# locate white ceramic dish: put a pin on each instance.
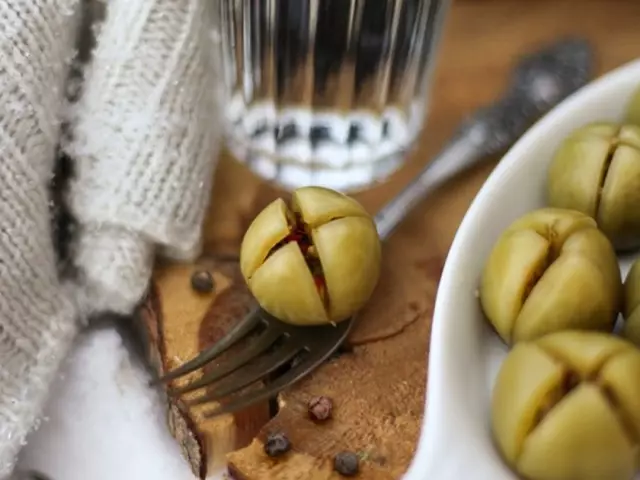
(464, 354)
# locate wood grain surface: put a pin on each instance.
(482, 40)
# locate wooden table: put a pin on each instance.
(482, 40)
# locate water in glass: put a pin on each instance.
(326, 92)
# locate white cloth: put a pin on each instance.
(37, 318)
(143, 139)
(144, 145)
(105, 388)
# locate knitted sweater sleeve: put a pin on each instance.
(144, 142)
(37, 318)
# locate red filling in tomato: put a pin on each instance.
(302, 238)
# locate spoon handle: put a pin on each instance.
(486, 132)
(539, 81)
(459, 155)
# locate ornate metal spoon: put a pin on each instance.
(540, 81)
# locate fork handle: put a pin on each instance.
(463, 152)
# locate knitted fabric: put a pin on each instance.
(144, 140)
(37, 316)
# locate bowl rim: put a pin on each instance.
(444, 302)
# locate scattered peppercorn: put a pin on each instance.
(346, 464)
(320, 408)
(277, 444)
(202, 281)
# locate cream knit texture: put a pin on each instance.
(144, 141)
(143, 136)
(37, 316)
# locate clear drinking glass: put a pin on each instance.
(326, 92)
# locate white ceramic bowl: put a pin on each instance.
(465, 355)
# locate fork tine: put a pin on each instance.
(248, 323)
(309, 363)
(263, 366)
(262, 343)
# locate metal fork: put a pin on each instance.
(539, 82)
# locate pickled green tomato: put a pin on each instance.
(596, 170)
(567, 405)
(314, 261)
(632, 114)
(631, 310)
(551, 270)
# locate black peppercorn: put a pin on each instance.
(320, 408)
(202, 281)
(277, 444)
(346, 464)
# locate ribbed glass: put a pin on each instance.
(326, 92)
